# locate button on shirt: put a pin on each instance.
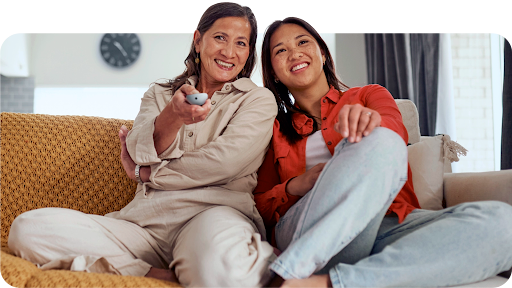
(221, 153)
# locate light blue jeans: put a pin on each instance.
(339, 227)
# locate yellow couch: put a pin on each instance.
(61, 161)
(73, 162)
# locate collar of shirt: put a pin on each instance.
(192, 80)
(243, 84)
(303, 124)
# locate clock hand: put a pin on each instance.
(120, 48)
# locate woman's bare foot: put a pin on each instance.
(162, 274)
(314, 281)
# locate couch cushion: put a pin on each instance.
(21, 273)
(410, 118)
(429, 160)
(16, 271)
(426, 161)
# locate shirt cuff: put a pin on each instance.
(287, 200)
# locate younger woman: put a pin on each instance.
(336, 190)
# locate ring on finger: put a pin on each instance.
(193, 118)
(369, 114)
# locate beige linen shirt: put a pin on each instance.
(214, 161)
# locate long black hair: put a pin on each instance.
(281, 92)
(212, 14)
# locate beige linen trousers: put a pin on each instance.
(196, 214)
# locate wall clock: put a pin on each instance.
(120, 49)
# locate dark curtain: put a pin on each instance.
(387, 65)
(387, 62)
(506, 132)
(425, 67)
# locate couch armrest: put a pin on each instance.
(468, 187)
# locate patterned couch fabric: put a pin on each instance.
(61, 161)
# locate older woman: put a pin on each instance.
(336, 189)
(193, 215)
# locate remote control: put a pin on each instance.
(197, 99)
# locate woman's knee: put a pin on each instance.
(19, 233)
(230, 254)
(382, 143)
(26, 228)
(384, 140)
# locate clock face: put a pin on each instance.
(120, 49)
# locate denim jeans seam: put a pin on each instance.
(282, 270)
(335, 281)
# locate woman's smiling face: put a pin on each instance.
(296, 57)
(223, 49)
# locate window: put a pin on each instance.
(121, 103)
(477, 82)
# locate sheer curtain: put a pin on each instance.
(445, 121)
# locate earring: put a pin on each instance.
(197, 60)
(276, 80)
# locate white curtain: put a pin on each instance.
(445, 118)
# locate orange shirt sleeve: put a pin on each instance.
(379, 99)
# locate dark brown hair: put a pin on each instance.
(281, 93)
(212, 14)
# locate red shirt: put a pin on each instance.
(284, 161)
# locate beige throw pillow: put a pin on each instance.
(429, 160)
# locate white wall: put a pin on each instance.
(14, 56)
(73, 60)
(351, 59)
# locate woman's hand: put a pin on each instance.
(186, 112)
(126, 160)
(175, 114)
(356, 121)
(301, 184)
